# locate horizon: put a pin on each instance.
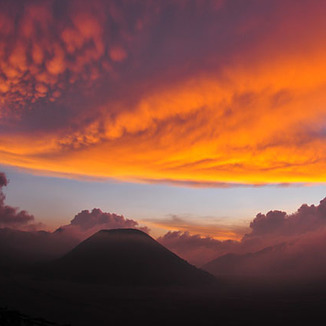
(228, 218)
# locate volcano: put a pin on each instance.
(126, 257)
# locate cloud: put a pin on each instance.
(277, 226)
(11, 216)
(3, 180)
(206, 227)
(195, 248)
(49, 52)
(188, 93)
(86, 223)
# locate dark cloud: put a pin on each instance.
(3, 180)
(3, 183)
(269, 223)
(11, 216)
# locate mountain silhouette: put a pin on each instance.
(126, 257)
(281, 261)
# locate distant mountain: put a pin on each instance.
(125, 257)
(29, 246)
(279, 262)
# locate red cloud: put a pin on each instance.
(192, 93)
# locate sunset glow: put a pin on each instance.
(162, 162)
(226, 114)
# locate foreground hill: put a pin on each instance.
(125, 257)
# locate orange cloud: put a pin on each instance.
(253, 114)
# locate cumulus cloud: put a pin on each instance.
(88, 222)
(277, 226)
(11, 216)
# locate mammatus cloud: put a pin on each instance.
(198, 93)
(11, 216)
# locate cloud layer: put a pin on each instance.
(194, 93)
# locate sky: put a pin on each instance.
(182, 115)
